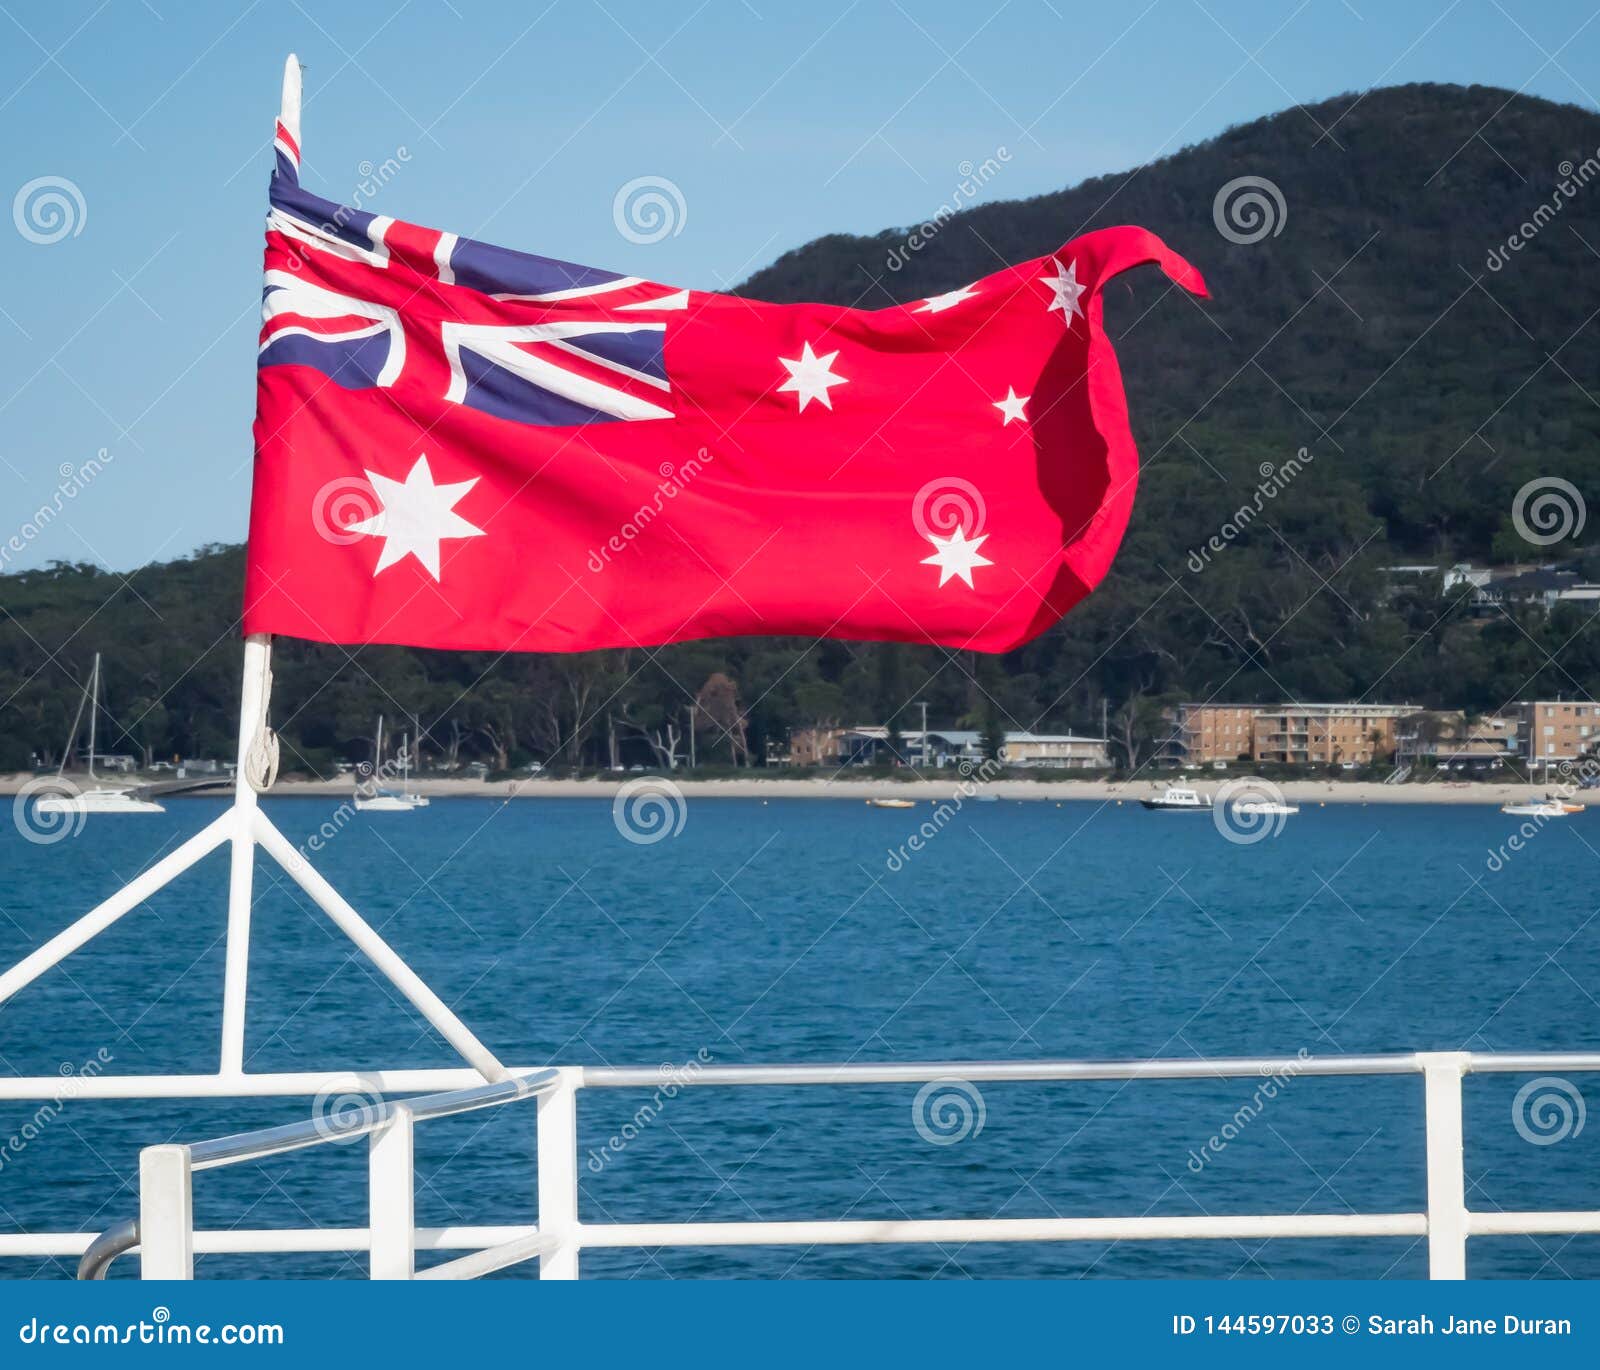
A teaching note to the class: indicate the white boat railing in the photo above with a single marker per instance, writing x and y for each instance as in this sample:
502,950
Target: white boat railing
167,1242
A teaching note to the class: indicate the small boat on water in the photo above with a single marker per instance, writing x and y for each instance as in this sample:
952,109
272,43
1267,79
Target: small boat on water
1272,807
892,803
1548,807
374,798
101,798
1178,799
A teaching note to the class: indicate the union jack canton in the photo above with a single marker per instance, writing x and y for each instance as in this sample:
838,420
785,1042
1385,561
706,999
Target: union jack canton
420,306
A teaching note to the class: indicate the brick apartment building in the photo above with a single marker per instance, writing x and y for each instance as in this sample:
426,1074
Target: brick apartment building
1286,734
1559,730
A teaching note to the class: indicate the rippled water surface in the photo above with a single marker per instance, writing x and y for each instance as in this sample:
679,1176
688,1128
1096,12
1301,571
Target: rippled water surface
787,931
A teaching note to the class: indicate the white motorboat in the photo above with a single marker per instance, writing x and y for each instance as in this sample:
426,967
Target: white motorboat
1179,799
892,803
99,798
1271,807
1548,807
374,798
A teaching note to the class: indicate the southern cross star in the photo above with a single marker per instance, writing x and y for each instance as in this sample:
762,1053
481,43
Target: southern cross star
1012,406
1065,286
935,303
956,555
415,515
810,377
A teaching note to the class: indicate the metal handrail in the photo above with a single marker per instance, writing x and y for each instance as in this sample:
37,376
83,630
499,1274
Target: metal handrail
113,1242
274,1141
170,1240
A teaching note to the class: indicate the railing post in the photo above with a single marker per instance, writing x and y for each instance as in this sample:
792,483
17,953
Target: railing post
1447,1186
391,1197
166,1214
559,1233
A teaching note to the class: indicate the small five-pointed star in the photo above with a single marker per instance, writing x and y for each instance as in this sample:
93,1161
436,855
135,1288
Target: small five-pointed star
415,516
956,555
810,377
1065,285
935,303
1012,406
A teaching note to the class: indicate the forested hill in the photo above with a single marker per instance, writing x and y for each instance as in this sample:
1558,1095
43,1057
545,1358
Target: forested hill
1370,329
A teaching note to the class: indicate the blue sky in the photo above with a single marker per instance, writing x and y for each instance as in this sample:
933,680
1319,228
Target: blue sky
519,123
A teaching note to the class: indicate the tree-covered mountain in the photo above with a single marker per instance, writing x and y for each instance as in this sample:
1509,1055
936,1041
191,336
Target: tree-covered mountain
1418,318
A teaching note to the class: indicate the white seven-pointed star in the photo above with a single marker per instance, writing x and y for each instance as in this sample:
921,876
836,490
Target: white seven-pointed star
1065,285
415,516
934,303
1011,406
810,377
956,556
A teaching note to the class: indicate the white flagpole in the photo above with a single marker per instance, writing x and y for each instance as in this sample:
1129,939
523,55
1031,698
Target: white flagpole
244,825
257,752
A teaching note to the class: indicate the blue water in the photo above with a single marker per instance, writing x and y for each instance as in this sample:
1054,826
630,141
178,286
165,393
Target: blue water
775,931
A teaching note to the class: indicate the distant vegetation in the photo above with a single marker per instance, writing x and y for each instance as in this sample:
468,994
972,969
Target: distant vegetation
1426,388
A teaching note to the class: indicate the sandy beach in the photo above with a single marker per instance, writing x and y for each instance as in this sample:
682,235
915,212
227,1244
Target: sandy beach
1307,792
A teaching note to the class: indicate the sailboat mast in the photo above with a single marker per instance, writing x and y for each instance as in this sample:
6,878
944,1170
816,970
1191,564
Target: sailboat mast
94,708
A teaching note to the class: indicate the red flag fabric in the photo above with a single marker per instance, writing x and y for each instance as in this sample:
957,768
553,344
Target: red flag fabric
465,447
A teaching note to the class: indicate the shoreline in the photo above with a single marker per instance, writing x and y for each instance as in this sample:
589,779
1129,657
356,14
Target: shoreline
1307,792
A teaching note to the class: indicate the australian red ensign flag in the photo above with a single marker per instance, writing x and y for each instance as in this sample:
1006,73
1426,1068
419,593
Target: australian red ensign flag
463,446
